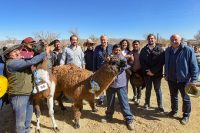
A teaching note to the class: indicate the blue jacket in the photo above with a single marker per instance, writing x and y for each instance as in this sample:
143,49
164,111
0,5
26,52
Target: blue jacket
1,66
186,64
100,54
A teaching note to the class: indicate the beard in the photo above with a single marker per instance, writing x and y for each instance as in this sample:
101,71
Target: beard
151,43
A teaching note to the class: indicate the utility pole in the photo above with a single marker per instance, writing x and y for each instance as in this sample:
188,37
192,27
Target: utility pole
157,37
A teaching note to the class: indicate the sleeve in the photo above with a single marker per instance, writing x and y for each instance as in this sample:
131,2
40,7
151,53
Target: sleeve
54,58
193,67
95,60
142,61
82,58
63,58
20,64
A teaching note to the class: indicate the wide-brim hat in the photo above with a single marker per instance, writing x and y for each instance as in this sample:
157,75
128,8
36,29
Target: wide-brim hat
11,48
89,41
193,91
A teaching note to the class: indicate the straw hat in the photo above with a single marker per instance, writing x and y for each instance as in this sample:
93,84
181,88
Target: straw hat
193,91
89,41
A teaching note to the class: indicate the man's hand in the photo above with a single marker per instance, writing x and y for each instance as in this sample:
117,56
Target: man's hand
149,73
193,84
129,57
48,49
33,68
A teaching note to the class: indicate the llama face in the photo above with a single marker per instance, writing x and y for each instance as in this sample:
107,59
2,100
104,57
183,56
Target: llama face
116,64
39,47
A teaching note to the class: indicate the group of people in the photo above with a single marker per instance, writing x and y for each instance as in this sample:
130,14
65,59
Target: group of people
146,64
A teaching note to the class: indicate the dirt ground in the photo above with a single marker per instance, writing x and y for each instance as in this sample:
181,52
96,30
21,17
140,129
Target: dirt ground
146,121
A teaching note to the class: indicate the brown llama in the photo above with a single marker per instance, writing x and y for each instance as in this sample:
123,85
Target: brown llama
76,83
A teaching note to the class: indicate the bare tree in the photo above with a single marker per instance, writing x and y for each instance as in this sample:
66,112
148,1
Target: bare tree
9,41
197,36
164,42
94,38
73,32
47,36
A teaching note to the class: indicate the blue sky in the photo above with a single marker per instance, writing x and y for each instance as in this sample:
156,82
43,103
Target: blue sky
115,18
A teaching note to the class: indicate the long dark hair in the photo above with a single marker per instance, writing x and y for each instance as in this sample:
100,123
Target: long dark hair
128,44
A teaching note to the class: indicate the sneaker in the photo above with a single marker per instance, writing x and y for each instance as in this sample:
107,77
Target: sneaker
161,110
84,102
146,106
99,103
137,102
172,114
134,99
106,119
184,120
130,126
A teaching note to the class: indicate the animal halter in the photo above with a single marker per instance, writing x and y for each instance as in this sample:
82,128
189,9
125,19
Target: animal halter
94,86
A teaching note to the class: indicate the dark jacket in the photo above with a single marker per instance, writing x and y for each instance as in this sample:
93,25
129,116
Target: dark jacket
56,58
89,62
186,64
100,54
152,59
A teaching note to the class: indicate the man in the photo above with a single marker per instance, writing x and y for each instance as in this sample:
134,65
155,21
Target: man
101,52
20,86
180,69
152,61
89,54
136,69
57,52
73,54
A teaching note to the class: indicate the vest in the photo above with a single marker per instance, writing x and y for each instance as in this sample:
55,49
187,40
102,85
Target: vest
20,82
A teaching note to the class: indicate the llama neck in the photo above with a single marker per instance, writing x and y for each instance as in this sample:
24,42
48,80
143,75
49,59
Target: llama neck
104,79
43,64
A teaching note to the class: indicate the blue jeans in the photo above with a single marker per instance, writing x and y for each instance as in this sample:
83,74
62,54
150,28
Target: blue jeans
123,101
156,83
23,109
173,88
